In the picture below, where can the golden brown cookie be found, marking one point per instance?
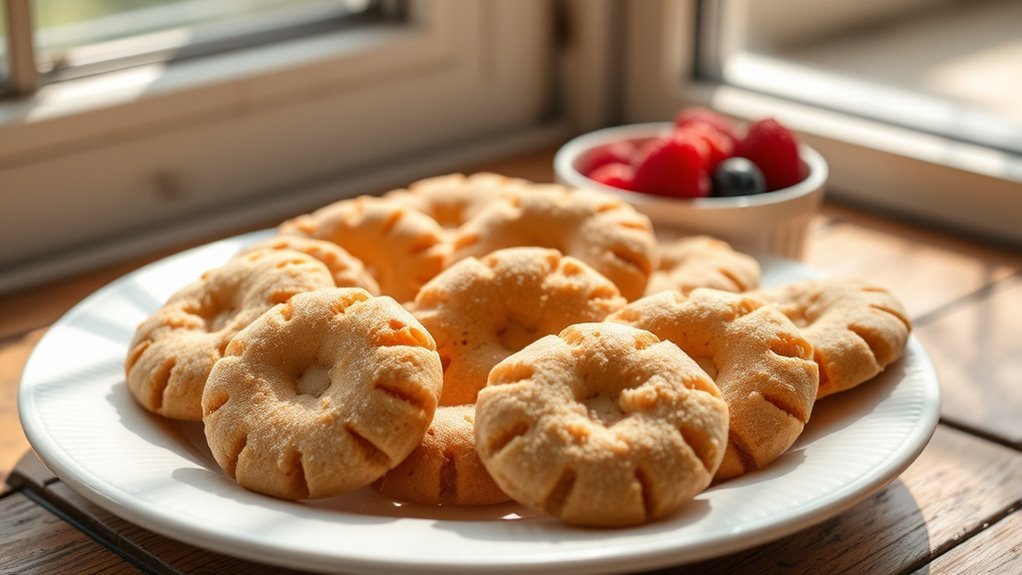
(452, 199)
(601, 425)
(401, 248)
(483, 310)
(600, 230)
(445, 468)
(701, 261)
(856, 329)
(322, 394)
(347, 270)
(174, 349)
(755, 355)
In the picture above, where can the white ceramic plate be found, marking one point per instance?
(83, 422)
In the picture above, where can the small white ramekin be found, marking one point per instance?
(773, 223)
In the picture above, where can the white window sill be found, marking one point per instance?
(83, 109)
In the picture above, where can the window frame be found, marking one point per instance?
(961, 186)
(156, 46)
(480, 90)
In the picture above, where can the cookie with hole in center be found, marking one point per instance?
(602, 231)
(401, 248)
(453, 199)
(756, 356)
(483, 310)
(445, 468)
(701, 261)
(321, 395)
(856, 329)
(601, 425)
(348, 271)
(173, 350)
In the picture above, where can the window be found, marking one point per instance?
(912, 102)
(120, 161)
(948, 68)
(78, 37)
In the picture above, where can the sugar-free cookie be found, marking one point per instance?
(174, 349)
(602, 231)
(452, 199)
(483, 310)
(756, 356)
(445, 468)
(401, 248)
(856, 329)
(701, 261)
(601, 425)
(322, 394)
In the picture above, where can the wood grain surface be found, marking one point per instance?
(998, 549)
(35, 541)
(975, 347)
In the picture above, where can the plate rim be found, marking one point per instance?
(241, 544)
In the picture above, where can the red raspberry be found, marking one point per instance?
(774, 150)
(696, 115)
(714, 146)
(615, 153)
(616, 175)
(671, 167)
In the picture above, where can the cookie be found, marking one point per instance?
(401, 248)
(321, 395)
(482, 310)
(452, 199)
(856, 329)
(602, 231)
(346, 269)
(756, 356)
(601, 425)
(445, 468)
(173, 351)
(700, 261)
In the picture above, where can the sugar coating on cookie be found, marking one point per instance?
(348, 271)
(856, 329)
(173, 350)
(601, 425)
(401, 248)
(701, 261)
(322, 394)
(600, 230)
(756, 356)
(454, 198)
(483, 310)
(445, 468)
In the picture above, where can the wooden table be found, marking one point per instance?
(955, 510)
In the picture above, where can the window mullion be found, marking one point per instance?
(24, 76)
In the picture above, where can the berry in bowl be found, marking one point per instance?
(753, 186)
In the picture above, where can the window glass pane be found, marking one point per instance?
(3, 50)
(948, 67)
(73, 33)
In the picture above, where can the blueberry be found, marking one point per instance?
(737, 177)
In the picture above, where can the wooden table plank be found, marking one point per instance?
(147, 546)
(33, 540)
(924, 268)
(13, 354)
(995, 550)
(30, 473)
(957, 484)
(977, 350)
